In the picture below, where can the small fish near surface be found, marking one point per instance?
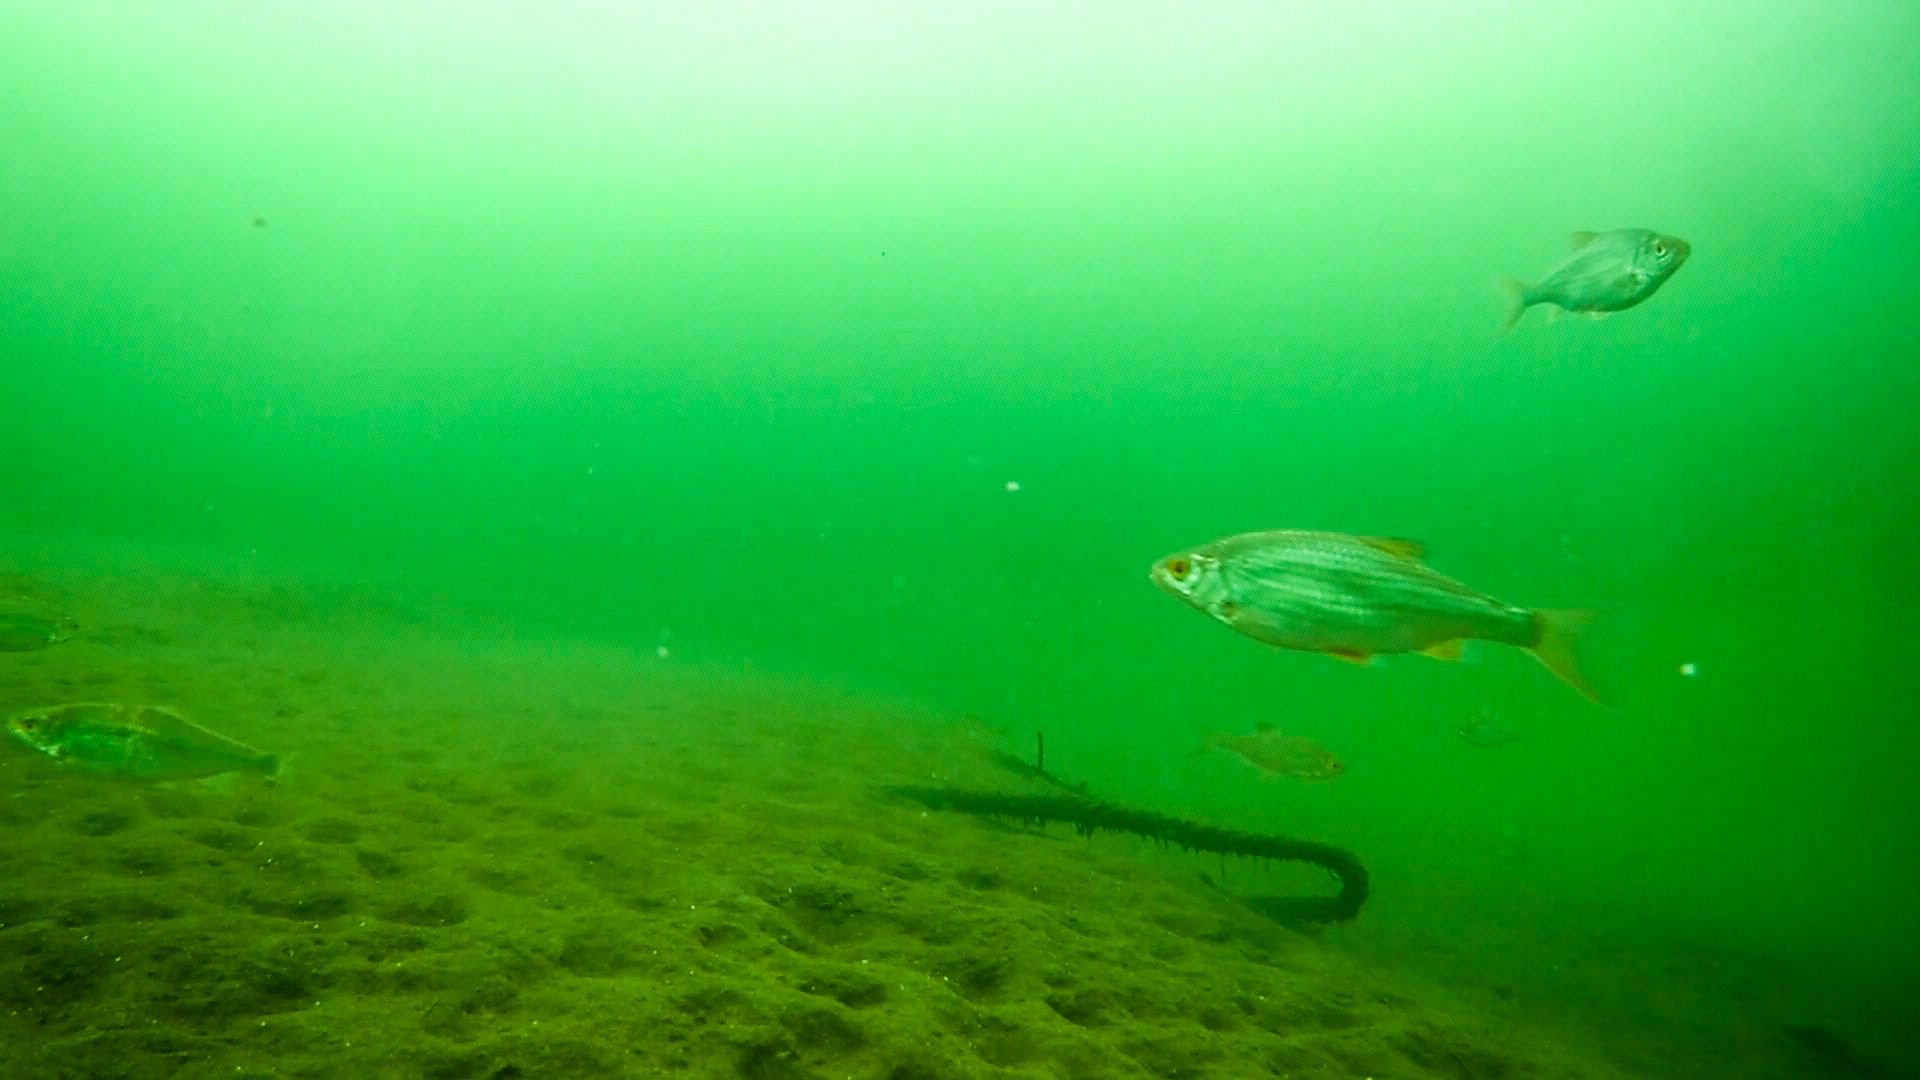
(25, 631)
(1355, 597)
(135, 742)
(1604, 273)
(1277, 755)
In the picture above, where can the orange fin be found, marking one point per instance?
(1446, 650)
(1350, 656)
(1580, 239)
(1398, 547)
(1558, 632)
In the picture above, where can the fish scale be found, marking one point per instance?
(1318, 579)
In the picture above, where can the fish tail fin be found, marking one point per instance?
(1515, 291)
(1555, 635)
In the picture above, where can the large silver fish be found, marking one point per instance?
(137, 742)
(1605, 272)
(1355, 597)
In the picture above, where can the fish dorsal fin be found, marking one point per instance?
(1264, 726)
(1398, 547)
(1581, 239)
(162, 720)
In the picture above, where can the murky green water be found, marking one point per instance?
(889, 345)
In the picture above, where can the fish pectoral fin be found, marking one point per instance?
(1351, 656)
(1397, 546)
(1580, 239)
(1446, 650)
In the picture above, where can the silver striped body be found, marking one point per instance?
(1610, 271)
(1330, 592)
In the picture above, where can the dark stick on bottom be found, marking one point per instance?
(1088, 816)
(1037, 770)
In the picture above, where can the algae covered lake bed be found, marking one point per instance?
(491, 857)
(674, 500)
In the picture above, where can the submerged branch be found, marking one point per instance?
(1089, 816)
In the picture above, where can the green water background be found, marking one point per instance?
(726, 329)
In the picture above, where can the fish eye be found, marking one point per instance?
(1179, 567)
(1660, 249)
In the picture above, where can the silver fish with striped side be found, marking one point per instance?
(1604, 273)
(1357, 597)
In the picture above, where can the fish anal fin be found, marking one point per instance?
(1398, 547)
(1452, 649)
(1580, 239)
(1351, 656)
